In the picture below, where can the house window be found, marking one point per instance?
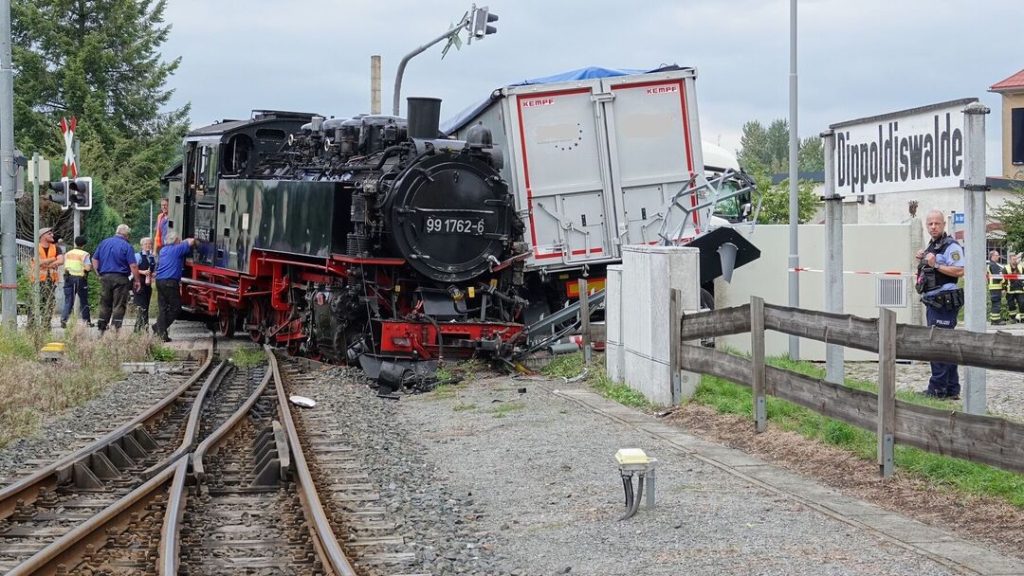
(1017, 136)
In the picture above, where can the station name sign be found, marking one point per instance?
(917, 149)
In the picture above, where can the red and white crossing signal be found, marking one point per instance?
(70, 167)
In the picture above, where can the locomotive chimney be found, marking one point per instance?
(424, 117)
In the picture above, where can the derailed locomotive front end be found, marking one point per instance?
(368, 239)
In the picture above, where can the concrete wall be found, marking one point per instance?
(866, 247)
(638, 317)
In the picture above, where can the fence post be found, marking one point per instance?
(757, 362)
(585, 319)
(675, 297)
(886, 390)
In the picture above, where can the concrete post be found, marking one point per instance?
(975, 187)
(833, 257)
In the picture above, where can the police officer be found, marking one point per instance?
(114, 261)
(995, 288)
(1015, 288)
(77, 265)
(169, 267)
(941, 264)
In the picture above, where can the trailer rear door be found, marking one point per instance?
(654, 151)
(594, 162)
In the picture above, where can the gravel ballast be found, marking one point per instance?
(64, 433)
(483, 479)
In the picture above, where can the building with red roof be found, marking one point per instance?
(1012, 91)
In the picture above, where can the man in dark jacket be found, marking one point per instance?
(170, 264)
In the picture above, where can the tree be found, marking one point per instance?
(98, 60)
(1011, 214)
(774, 199)
(766, 150)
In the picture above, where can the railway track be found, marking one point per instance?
(234, 496)
(39, 509)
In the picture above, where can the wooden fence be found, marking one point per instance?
(984, 439)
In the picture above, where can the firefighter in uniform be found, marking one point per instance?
(1015, 289)
(941, 264)
(995, 288)
(44, 271)
(77, 265)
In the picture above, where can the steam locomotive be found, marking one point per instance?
(365, 239)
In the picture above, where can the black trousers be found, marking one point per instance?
(141, 300)
(75, 286)
(113, 300)
(168, 298)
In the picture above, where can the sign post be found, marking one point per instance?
(975, 186)
(69, 169)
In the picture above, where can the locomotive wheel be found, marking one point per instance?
(256, 322)
(226, 324)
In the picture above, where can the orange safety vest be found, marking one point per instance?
(158, 238)
(46, 254)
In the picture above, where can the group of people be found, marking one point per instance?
(1009, 280)
(123, 272)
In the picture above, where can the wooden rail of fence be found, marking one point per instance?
(984, 439)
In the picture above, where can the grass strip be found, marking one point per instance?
(32, 389)
(961, 475)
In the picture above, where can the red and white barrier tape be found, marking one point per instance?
(856, 272)
(897, 273)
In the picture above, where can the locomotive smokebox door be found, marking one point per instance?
(452, 219)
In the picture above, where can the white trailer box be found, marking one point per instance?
(594, 162)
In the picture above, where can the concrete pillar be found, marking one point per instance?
(614, 360)
(649, 273)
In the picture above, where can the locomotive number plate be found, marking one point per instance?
(471, 226)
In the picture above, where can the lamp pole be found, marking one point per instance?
(794, 191)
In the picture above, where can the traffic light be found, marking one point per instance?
(61, 193)
(478, 26)
(81, 193)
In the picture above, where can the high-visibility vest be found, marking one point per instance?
(74, 262)
(995, 269)
(1015, 286)
(46, 254)
(158, 236)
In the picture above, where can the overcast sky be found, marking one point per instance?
(856, 58)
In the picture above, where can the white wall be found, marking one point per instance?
(881, 247)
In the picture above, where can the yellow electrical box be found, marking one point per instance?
(631, 456)
(57, 347)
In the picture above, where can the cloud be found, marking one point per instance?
(855, 59)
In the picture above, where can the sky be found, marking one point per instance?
(855, 58)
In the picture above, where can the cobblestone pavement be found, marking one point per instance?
(1005, 390)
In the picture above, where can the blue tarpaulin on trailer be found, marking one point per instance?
(589, 73)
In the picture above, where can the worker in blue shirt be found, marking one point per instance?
(941, 265)
(169, 266)
(114, 261)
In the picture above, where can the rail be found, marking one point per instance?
(319, 527)
(983, 439)
(64, 470)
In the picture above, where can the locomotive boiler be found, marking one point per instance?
(367, 239)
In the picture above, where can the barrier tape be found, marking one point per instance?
(896, 273)
(856, 272)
